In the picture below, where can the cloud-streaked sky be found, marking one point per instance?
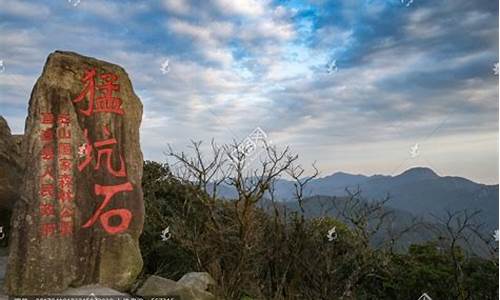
(407, 72)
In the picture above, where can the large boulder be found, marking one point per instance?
(159, 286)
(198, 280)
(81, 211)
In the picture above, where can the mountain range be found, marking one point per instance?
(418, 191)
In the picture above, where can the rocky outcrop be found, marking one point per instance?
(11, 172)
(10, 165)
(192, 287)
(81, 210)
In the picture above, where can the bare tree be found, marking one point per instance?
(394, 235)
(230, 166)
(296, 172)
(454, 229)
(365, 220)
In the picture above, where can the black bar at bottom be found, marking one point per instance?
(94, 297)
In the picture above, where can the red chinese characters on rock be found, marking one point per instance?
(47, 119)
(48, 229)
(125, 215)
(105, 102)
(48, 152)
(46, 190)
(52, 188)
(47, 209)
(65, 179)
(87, 152)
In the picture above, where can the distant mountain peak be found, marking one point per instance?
(340, 173)
(343, 177)
(421, 172)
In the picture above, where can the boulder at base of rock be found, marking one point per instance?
(158, 286)
(197, 280)
(81, 209)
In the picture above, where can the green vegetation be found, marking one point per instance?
(273, 254)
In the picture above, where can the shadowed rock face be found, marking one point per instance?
(81, 210)
(10, 165)
(10, 173)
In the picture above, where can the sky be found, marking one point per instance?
(359, 86)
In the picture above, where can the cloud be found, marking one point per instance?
(23, 9)
(177, 6)
(247, 8)
(404, 73)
